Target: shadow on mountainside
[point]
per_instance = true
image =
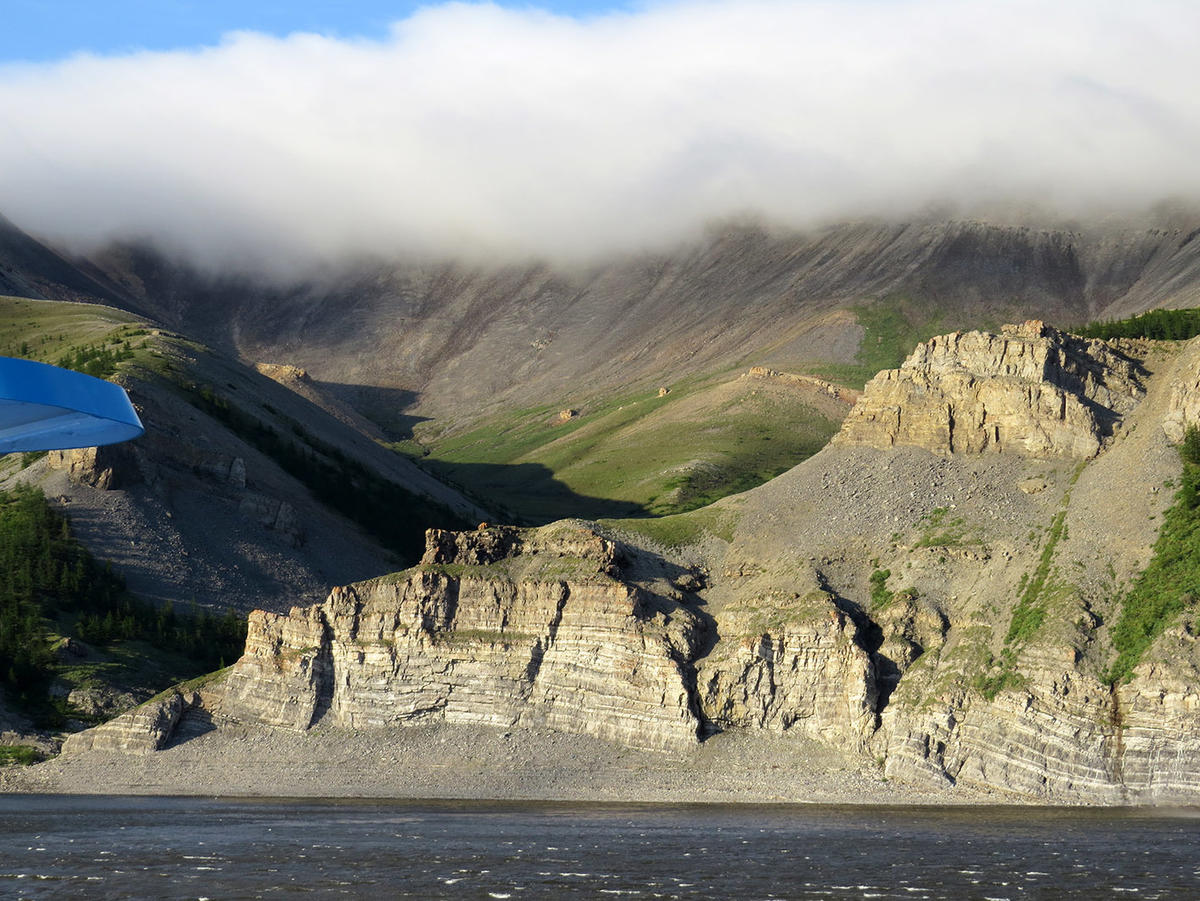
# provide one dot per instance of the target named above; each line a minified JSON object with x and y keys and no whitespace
{"x":527,"y":494}
{"x":382,"y":407}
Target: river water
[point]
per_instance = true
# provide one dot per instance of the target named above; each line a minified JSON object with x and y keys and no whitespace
{"x":186,"y":848}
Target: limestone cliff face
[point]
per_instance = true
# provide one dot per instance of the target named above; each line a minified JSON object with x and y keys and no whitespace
{"x":945,"y":612}
{"x":1063,"y":736}
{"x":791,"y":665}
{"x":1018,"y":705}
{"x":544,"y":629}
{"x":1184,"y":409}
{"x":1032,"y":390}
{"x":497,"y":627}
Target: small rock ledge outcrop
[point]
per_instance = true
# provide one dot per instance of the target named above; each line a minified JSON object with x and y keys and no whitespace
{"x":143,"y":730}
{"x":1031,"y":390}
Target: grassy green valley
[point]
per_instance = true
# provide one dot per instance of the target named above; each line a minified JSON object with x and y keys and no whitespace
{"x":642,"y":454}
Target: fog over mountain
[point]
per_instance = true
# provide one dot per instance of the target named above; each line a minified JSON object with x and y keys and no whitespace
{"x":475,"y":130}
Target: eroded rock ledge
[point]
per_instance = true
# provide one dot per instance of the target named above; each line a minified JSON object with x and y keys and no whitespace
{"x":501,"y":627}
{"x":1031,"y":390}
{"x":544,"y":629}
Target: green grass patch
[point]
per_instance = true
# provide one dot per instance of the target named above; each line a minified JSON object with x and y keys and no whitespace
{"x":880,"y":596}
{"x":1170,"y":584}
{"x":638,"y":455}
{"x":1030,"y":612}
{"x":1037,"y":592}
{"x":999,"y":676}
{"x":19,"y":755}
{"x":939,"y":529}
{"x":84,"y":337}
{"x":682,"y":529}
{"x":892,"y":327}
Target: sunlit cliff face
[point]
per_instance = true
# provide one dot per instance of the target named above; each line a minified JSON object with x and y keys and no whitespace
{"x":492,"y":132}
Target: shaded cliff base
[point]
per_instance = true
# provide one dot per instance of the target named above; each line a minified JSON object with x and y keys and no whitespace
{"x":440,"y":760}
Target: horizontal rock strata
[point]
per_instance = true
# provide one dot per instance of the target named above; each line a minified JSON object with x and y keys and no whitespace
{"x":1032,"y":390}
{"x":143,"y":730}
{"x":1063,"y":737}
{"x":497,"y":627}
{"x":563,"y":629}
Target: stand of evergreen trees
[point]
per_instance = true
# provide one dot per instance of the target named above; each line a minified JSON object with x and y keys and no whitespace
{"x":1158,"y":325}
{"x":96,"y":360}
{"x":50,"y":587}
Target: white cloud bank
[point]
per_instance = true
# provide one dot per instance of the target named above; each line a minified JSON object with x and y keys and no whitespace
{"x":475,"y":129}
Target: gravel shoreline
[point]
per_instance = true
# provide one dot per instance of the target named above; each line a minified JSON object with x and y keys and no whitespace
{"x":440,"y":761}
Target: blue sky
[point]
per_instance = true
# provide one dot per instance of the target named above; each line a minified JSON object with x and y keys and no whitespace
{"x":49,"y":30}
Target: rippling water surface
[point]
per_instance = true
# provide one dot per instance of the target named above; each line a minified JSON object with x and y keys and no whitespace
{"x":178,"y":848}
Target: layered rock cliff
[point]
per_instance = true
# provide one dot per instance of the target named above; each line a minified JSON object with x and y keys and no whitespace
{"x":934,"y":591}
{"x":1032,"y":390}
{"x":792,"y":664}
{"x":500,"y":627}
{"x":1017,"y":697}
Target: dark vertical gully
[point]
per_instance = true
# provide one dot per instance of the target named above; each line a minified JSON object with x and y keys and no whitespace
{"x":323,"y":674}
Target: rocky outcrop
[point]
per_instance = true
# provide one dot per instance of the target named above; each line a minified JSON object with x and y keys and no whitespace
{"x":499,"y":626}
{"x":841,"y":392}
{"x":1183,"y":410}
{"x":298,"y":380}
{"x":791,"y":664}
{"x":1063,"y":736}
{"x":274,"y":514}
{"x":544,"y":629}
{"x":107,"y":468}
{"x":1032,"y":390}
{"x":143,"y":730}
{"x":980,"y":663}
{"x":1053,"y":739}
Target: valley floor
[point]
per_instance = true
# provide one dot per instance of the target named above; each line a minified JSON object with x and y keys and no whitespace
{"x":476,"y":763}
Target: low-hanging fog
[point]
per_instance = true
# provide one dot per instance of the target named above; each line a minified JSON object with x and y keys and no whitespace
{"x":476,"y":130}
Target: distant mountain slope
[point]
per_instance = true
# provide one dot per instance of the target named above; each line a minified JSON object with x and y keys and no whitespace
{"x":464,"y":339}
{"x":241,"y":493}
{"x":28,"y":268}
{"x":442,"y":350}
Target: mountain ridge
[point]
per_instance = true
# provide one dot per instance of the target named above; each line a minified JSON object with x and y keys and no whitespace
{"x":450,"y":340}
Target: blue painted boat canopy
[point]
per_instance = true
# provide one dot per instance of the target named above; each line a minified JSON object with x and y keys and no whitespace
{"x":44,"y":407}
